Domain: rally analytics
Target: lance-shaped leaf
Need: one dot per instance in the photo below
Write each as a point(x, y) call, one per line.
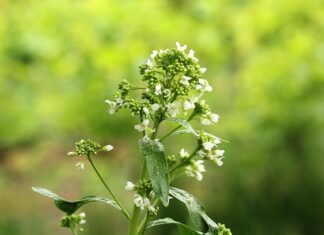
point(70, 207)
point(185, 124)
point(196, 211)
point(185, 229)
point(157, 167)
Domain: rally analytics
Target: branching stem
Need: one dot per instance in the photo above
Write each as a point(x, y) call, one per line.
point(108, 189)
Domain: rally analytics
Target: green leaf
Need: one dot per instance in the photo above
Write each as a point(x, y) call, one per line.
point(196, 210)
point(70, 207)
point(185, 124)
point(157, 167)
point(185, 229)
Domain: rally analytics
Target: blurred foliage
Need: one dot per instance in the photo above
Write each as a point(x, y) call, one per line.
point(59, 60)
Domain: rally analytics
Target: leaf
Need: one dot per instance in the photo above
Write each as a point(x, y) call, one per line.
point(157, 167)
point(70, 207)
point(185, 229)
point(196, 210)
point(185, 124)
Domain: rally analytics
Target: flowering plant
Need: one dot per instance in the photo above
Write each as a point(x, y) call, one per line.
point(173, 94)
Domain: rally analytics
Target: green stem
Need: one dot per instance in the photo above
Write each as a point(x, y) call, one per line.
point(168, 134)
point(176, 128)
point(108, 189)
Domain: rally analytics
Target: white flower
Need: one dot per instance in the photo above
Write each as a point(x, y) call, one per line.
point(158, 90)
point(203, 85)
point(209, 118)
point(173, 108)
point(149, 63)
point(201, 153)
point(205, 121)
point(185, 80)
point(154, 53)
point(190, 104)
point(119, 101)
point(217, 141)
point(113, 106)
point(219, 152)
point(183, 153)
point(196, 169)
point(191, 55)
point(108, 148)
point(219, 161)
point(208, 145)
point(82, 215)
point(146, 111)
point(80, 165)
point(129, 186)
point(82, 220)
point(155, 107)
point(181, 48)
point(213, 117)
point(71, 154)
point(141, 202)
point(203, 70)
point(143, 126)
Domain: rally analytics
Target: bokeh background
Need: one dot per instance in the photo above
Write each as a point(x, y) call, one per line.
point(59, 60)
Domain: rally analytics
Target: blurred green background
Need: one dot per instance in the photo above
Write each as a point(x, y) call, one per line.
point(59, 60)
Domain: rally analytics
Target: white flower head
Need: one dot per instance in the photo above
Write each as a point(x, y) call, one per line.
point(141, 202)
point(173, 108)
point(195, 169)
point(213, 117)
point(183, 153)
point(108, 148)
point(138, 200)
point(191, 55)
point(205, 121)
point(71, 154)
point(80, 165)
point(146, 111)
point(217, 140)
point(142, 126)
point(185, 80)
point(209, 119)
point(208, 145)
point(219, 152)
point(155, 107)
point(113, 106)
point(219, 161)
point(154, 54)
point(203, 85)
point(129, 186)
point(82, 216)
point(181, 48)
point(203, 70)
point(149, 63)
point(158, 90)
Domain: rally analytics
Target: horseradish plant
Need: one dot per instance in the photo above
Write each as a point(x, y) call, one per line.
point(173, 93)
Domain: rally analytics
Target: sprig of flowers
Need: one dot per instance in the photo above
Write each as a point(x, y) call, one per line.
point(173, 92)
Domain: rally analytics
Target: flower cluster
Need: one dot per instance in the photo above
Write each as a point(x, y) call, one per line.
point(87, 148)
point(175, 86)
point(73, 221)
point(144, 195)
point(171, 76)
